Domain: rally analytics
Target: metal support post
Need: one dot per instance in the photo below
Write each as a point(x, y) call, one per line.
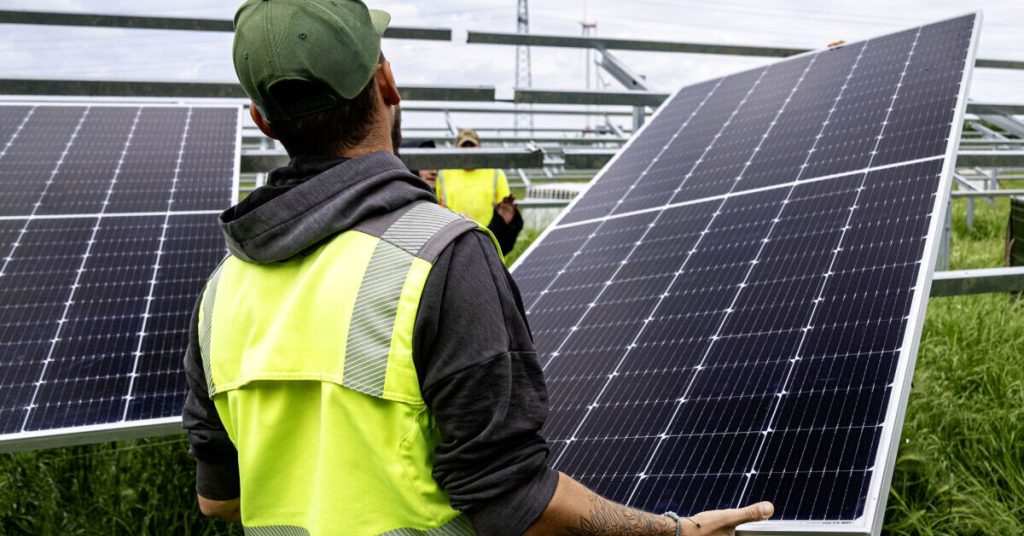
point(639, 115)
point(628, 78)
point(451, 125)
point(523, 177)
point(970, 213)
point(944, 253)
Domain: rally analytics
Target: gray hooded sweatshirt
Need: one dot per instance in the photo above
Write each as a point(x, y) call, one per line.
point(472, 347)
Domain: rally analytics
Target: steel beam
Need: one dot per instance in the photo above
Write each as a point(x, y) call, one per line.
point(588, 158)
point(962, 282)
point(97, 20)
point(603, 43)
point(489, 138)
point(1008, 108)
point(116, 88)
point(535, 111)
point(542, 203)
point(990, 141)
point(621, 72)
point(486, 157)
point(987, 193)
point(452, 94)
point(1008, 124)
point(989, 159)
point(999, 64)
point(625, 98)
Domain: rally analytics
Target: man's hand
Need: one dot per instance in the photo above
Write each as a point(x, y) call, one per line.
point(724, 522)
point(230, 510)
point(507, 208)
point(576, 511)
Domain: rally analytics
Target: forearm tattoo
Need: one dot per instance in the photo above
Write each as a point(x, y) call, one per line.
point(606, 518)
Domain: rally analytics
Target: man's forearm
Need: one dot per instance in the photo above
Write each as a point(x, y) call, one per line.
point(577, 511)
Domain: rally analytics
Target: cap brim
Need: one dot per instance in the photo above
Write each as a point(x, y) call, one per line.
point(380, 20)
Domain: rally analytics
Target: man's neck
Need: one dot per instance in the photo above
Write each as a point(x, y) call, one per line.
point(378, 140)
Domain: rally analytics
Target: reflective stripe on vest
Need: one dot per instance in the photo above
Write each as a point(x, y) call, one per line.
point(309, 362)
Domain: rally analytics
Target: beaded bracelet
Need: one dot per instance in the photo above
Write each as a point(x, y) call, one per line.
point(679, 524)
point(675, 517)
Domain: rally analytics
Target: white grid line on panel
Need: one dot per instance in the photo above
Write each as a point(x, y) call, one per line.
point(85, 258)
point(742, 286)
point(156, 267)
point(637, 181)
point(17, 131)
point(732, 304)
point(625, 354)
point(46, 188)
point(739, 193)
point(757, 459)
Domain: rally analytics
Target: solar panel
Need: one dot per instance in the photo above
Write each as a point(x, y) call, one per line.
point(108, 230)
point(730, 312)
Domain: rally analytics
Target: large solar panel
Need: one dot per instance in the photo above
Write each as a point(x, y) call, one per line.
point(730, 313)
point(108, 230)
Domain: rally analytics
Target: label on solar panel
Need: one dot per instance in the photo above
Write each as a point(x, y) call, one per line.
point(731, 312)
point(108, 231)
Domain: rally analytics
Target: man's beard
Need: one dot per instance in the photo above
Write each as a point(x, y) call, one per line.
point(396, 130)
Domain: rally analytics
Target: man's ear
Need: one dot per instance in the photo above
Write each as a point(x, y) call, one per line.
point(261, 121)
point(386, 84)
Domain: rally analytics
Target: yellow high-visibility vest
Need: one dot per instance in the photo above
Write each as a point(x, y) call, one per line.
point(309, 363)
point(472, 193)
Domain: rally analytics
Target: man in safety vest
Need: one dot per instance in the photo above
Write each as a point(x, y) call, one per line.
point(360, 363)
point(481, 195)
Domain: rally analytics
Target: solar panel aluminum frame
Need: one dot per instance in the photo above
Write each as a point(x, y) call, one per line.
point(871, 521)
point(120, 430)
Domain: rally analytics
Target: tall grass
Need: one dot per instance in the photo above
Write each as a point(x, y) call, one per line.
point(960, 468)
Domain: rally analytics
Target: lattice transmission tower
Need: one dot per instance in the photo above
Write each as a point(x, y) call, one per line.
point(524, 78)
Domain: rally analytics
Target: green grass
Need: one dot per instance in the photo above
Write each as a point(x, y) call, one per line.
point(960, 468)
point(131, 487)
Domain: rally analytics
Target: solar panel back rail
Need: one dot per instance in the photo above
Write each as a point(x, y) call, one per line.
point(731, 311)
point(108, 230)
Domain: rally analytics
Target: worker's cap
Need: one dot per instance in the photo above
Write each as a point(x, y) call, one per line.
point(467, 137)
point(297, 57)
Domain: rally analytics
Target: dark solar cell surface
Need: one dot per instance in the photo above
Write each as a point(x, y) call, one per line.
point(721, 316)
point(108, 230)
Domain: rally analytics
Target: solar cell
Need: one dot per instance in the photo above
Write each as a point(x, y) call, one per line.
point(108, 227)
point(730, 313)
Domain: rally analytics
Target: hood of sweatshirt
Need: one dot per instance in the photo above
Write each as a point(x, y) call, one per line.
point(293, 217)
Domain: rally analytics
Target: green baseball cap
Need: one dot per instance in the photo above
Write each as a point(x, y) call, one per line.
point(297, 57)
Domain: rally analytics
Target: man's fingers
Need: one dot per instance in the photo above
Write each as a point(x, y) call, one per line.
point(755, 512)
point(739, 516)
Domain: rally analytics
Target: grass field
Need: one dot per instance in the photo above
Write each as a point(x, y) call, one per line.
point(960, 469)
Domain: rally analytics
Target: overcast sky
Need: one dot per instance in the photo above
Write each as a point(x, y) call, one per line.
point(62, 52)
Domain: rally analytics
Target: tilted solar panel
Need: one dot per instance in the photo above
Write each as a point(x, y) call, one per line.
point(731, 312)
point(108, 230)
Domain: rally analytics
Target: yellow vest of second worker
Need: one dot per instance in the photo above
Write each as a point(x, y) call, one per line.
point(309, 363)
point(472, 193)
